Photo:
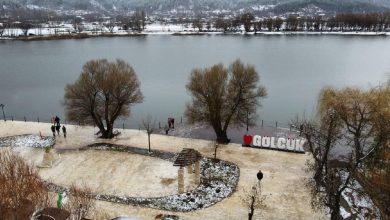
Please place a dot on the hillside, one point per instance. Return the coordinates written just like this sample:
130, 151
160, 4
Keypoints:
197, 6
333, 6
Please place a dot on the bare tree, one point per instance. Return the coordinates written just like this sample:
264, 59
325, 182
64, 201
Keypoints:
2, 27
25, 26
21, 191
278, 23
221, 96
257, 25
78, 24
270, 24
355, 121
326, 184
292, 23
253, 199
138, 21
197, 23
222, 23
80, 204
247, 19
103, 92
150, 126
208, 25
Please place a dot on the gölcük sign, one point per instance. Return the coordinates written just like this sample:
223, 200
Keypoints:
274, 143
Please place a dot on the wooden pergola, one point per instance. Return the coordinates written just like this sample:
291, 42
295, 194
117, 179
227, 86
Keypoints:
186, 158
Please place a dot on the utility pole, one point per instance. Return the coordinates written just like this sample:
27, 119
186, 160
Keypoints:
247, 121
2, 108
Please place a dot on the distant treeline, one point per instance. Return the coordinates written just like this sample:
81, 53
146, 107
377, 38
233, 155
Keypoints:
364, 22
340, 22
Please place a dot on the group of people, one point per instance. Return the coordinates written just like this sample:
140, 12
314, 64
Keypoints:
56, 126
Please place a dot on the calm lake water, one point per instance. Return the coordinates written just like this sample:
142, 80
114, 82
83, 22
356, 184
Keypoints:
293, 69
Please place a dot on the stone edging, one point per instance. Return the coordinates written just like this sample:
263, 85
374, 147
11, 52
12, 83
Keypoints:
218, 181
27, 140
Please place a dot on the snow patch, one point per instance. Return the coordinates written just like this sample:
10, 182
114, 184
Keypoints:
28, 140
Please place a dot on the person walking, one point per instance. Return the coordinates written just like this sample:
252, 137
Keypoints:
58, 129
57, 120
64, 130
53, 129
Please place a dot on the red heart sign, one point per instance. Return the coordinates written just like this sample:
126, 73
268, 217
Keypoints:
248, 139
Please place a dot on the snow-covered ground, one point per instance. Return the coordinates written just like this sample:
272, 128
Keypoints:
130, 176
360, 204
126, 171
26, 141
287, 197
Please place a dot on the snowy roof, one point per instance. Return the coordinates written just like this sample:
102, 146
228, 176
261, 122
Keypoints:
186, 157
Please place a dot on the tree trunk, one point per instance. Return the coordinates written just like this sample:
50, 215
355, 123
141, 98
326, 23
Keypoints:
250, 215
335, 213
222, 137
252, 209
149, 141
108, 132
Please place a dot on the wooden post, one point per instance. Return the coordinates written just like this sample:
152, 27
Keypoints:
180, 179
197, 172
189, 169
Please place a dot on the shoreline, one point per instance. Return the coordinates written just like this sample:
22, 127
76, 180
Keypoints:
191, 33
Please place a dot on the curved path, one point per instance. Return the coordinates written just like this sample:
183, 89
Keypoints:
129, 175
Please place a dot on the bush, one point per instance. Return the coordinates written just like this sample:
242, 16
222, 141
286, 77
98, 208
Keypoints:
21, 191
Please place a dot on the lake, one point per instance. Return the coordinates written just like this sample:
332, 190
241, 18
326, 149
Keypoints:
293, 69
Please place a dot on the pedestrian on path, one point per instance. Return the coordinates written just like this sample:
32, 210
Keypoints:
58, 129
64, 130
57, 120
53, 129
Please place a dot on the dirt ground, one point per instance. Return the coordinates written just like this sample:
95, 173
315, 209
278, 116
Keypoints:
283, 182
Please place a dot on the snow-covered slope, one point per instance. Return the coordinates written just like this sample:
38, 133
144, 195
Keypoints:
196, 6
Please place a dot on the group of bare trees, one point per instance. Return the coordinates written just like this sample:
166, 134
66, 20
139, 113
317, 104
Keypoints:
340, 22
351, 127
221, 96
136, 22
27, 19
